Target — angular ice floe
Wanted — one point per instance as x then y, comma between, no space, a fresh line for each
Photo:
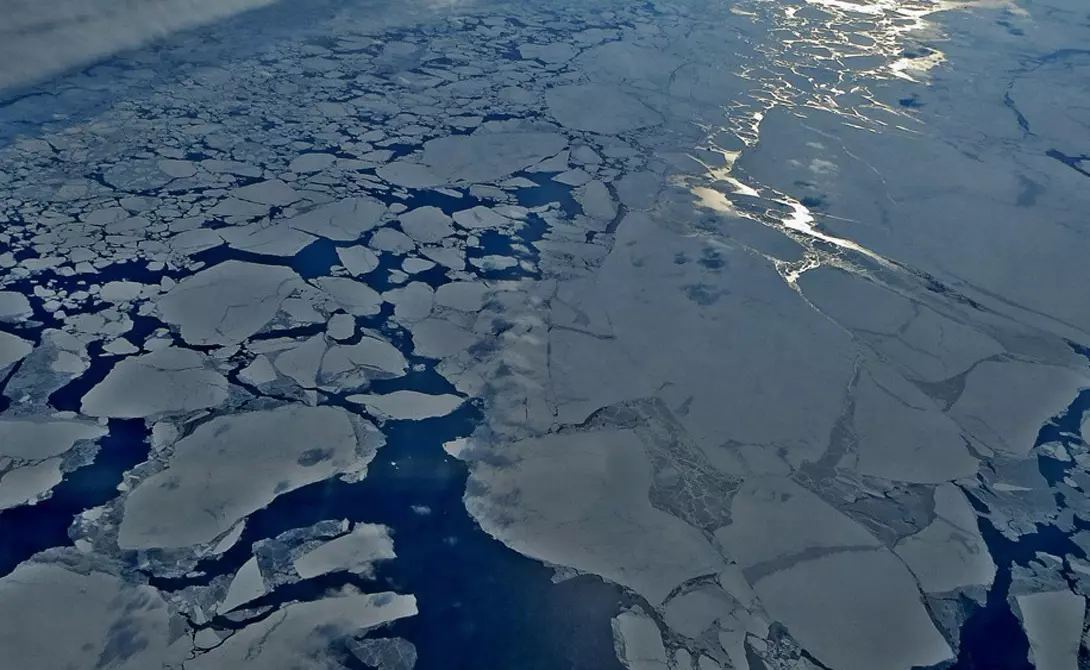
344,220
854,610
480,157
356,298
394,241
246,586
307,163
599,108
1053,623
638,642
302,361
438,338
14,306
268,239
38,438
426,224
166,380
348,366
227,303
596,200
412,302
481,218
259,371
59,613
1005,403
305,635
341,326
602,522
356,552
950,553
902,435
408,405
461,295
12,349
236,464
271,192
357,260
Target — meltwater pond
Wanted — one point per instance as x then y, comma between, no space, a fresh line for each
664,335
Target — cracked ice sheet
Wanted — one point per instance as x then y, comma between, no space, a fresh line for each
236,464
602,522
168,380
306,635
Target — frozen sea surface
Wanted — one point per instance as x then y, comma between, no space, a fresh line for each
686,335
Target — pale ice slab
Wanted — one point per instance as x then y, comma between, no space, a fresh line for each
638,642
599,108
276,239
227,303
270,192
357,260
304,636
1053,623
461,295
950,553
855,610
344,220
234,465
437,338
347,366
1005,403
581,500
14,306
37,438
426,224
341,326
60,618
30,483
13,349
357,298
481,157
247,585
302,361
408,405
166,380
355,552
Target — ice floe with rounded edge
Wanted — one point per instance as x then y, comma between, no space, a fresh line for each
236,464
356,552
598,108
408,405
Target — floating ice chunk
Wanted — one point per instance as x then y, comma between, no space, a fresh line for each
227,303
56,617
121,291
350,365
388,239
449,257
1053,623
950,553
13,349
14,306
305,635
479,218
356,552
271,192
599,108
408,405
411,303
426,224
554,52
228,540
136,176
308,163
231,167
343,220
278,239
596,200
576,177
437,338
259,371
357,260
480,157
493,262
854,610
210,482
246,586
638,642
341,327
38,438
461,295
30,483
416,265
301,363
166,380
178,168
355,297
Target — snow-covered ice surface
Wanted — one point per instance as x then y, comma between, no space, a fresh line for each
663,336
